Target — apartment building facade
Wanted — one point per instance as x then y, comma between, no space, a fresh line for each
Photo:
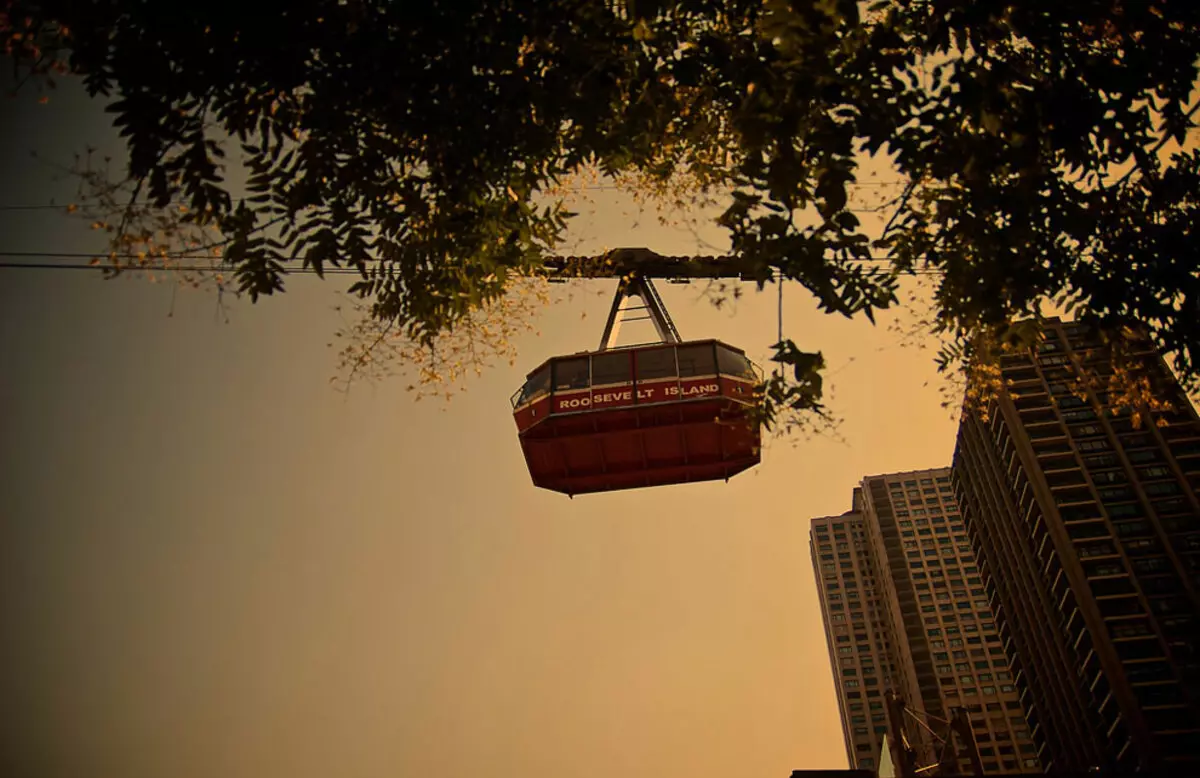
922,626
850,611
1086,526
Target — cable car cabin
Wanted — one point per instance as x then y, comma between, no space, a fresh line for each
623,418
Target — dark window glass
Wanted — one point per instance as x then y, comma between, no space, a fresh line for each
1166,507
1120,424
1141,547
1079,512
1116,494
611,368
1119,606
1105,587
1095,549
1148,672
1044,431
1136,441
1123,511
697,360
1138,649
1091,529
538,384
656,363
1157,564
734,364
1132,528
1159,694
1161,584
1169,487
571,374
1047,448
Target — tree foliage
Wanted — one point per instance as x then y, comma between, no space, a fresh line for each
1043,145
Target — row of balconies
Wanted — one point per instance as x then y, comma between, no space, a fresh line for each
1050,564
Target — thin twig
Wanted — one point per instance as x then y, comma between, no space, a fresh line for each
361,360
903,200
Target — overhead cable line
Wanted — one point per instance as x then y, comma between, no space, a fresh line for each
599,187
108,255
216,268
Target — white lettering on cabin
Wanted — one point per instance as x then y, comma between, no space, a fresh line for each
688,391
642,394
613,397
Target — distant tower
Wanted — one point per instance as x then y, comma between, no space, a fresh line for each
904,610
1087,528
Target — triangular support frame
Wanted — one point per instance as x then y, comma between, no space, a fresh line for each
636,285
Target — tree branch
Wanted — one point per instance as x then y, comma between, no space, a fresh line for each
1157,148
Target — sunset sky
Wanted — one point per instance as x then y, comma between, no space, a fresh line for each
213,564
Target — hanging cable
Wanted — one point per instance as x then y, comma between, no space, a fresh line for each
779,319
780,306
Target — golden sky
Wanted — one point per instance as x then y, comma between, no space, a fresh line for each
212,564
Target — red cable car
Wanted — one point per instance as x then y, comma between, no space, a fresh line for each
648,415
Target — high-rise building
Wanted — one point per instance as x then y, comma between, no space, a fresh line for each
905,610
1087,529
857,647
